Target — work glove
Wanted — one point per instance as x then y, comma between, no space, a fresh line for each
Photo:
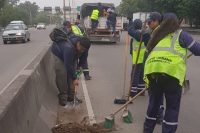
79,72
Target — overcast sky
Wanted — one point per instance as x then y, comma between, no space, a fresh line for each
75,3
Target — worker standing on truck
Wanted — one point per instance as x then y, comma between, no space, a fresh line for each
112,20
165,70
94,19
66,50
83,58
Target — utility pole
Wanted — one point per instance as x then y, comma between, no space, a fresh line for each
64,11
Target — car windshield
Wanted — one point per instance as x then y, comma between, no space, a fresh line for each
41,24
14,27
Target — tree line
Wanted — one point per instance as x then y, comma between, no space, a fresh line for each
28,12
188,9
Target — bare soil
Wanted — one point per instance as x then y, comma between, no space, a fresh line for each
79,128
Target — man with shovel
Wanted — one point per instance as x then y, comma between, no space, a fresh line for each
66,51
77,31
165,70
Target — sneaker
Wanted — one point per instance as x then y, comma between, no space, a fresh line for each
62,100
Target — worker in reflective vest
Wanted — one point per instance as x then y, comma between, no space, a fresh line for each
82,61
137,81
153,21
94,19
165,70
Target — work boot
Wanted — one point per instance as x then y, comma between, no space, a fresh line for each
88,77
62,99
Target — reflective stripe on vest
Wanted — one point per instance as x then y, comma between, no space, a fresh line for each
95,14
135,46
76,30
167,57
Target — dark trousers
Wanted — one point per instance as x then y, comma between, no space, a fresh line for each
111,24
83,63
159,85
94,23
138,82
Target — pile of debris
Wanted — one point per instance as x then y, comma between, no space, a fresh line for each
79,128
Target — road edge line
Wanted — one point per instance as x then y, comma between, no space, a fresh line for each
88,102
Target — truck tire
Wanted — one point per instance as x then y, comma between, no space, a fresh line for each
5,42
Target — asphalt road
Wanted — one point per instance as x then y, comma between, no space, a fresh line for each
106,64
14,57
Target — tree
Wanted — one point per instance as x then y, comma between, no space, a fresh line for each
193,15
13,2
24,11
128,7
2,2
31,10
42,17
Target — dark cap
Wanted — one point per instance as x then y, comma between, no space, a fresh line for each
66,23
170,16
155,16
137,24
85,42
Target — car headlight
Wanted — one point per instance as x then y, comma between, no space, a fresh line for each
19,34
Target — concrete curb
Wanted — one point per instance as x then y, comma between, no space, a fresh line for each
29,103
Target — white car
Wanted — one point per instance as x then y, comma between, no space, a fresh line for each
41,26
16,32
17,22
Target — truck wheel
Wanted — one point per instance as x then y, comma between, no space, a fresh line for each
5,42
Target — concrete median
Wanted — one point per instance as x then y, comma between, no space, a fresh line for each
29,103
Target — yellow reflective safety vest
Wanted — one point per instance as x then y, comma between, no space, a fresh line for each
167,57
135,46
76,30
95,14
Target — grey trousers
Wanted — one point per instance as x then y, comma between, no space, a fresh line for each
63,82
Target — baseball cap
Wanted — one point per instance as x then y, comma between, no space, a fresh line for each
66,23
170,15
154,16
137,24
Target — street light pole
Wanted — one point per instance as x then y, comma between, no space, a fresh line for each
64,11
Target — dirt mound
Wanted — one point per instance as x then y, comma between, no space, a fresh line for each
79,128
